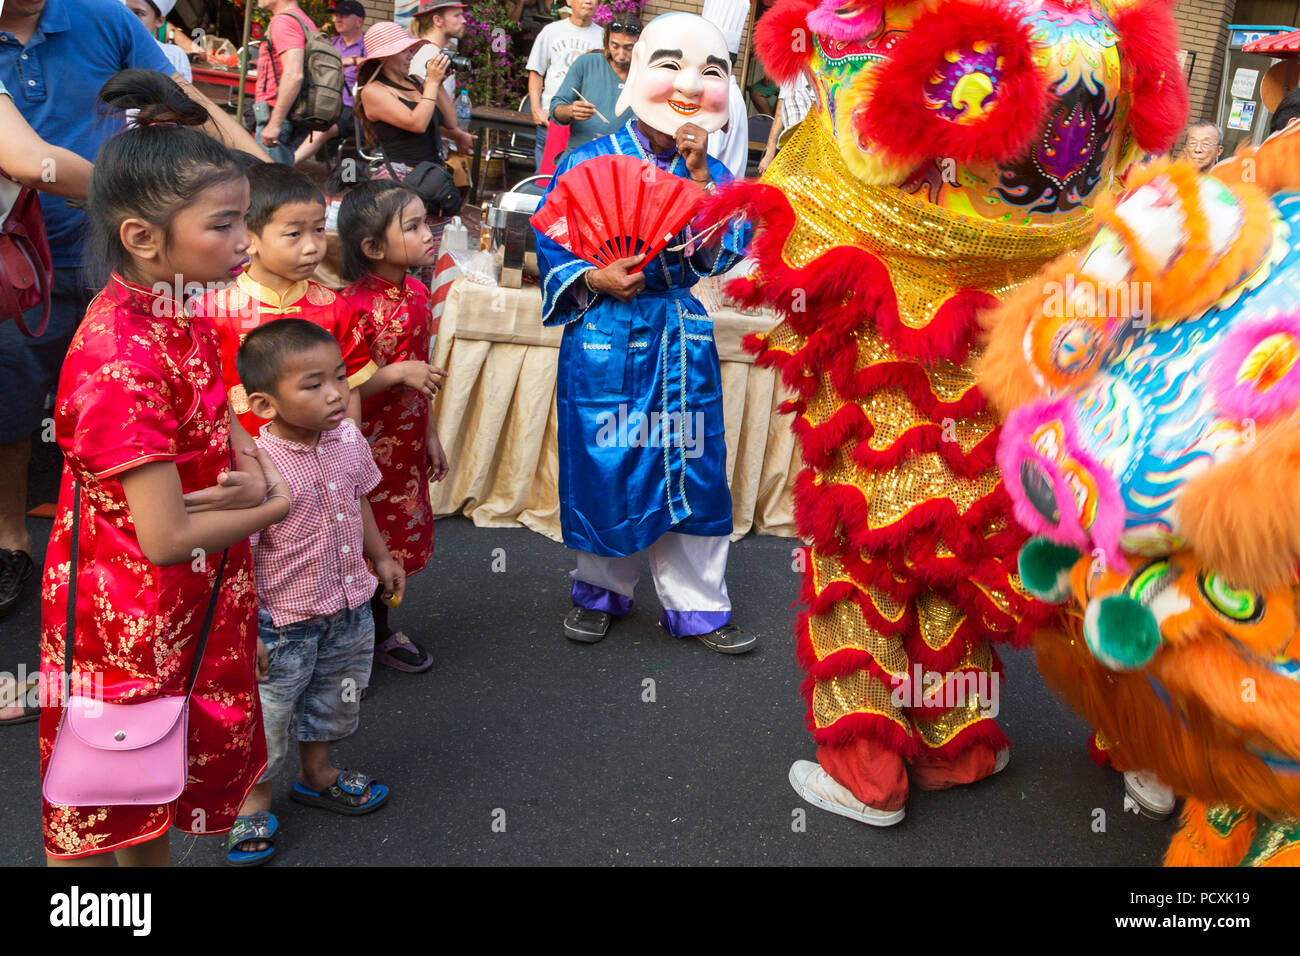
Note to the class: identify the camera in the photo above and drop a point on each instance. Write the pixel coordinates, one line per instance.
(459, 64)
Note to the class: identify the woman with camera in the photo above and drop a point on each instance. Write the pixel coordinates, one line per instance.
(398, 112)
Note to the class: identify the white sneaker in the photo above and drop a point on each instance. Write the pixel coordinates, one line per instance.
(1001, 760)
(1154, 798)
(819, 788)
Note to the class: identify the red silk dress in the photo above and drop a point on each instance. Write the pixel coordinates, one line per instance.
(237, 310)
(140, 386)
(397, 324)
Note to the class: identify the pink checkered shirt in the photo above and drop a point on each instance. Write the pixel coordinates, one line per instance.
(311, 563)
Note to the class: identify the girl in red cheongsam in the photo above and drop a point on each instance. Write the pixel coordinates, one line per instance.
(142, 420)
(384, 233)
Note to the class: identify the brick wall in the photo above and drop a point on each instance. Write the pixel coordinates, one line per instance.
(1203, 29)
(377, 10)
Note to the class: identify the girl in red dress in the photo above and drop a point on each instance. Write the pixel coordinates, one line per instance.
(384, 233)
(142, 421)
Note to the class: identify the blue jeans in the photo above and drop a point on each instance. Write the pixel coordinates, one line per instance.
(318, 669)
(289, 140)
(29, 368)
(539, 147)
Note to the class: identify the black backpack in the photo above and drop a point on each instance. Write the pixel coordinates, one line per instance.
(320, 100)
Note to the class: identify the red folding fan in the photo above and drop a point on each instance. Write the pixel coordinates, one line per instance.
(612, 207)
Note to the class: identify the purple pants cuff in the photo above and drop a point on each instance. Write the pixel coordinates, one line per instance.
(692, 623)
(596, 598)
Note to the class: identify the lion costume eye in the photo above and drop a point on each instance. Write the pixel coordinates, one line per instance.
(1236, 604)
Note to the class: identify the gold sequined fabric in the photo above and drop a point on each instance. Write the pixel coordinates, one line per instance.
(858, 693)
(930, 252)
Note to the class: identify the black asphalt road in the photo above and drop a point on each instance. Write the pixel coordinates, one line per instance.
(520, 747)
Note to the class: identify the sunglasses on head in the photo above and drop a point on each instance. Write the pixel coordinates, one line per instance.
(628, 29)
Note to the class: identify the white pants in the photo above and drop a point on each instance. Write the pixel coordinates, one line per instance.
(690, 576)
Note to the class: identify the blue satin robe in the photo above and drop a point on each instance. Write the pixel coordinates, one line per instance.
(639, 391)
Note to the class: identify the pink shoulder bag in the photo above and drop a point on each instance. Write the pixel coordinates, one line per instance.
(132, 754)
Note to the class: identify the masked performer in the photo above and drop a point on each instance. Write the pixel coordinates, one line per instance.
(642, 448)
(957, 147)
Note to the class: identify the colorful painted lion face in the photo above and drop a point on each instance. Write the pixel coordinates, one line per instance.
(1014, 111)
(1167, 351)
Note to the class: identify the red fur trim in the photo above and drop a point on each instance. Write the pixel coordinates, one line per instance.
(842, 662)
(851, 727)
(980, 732)
(929, 438)
(897, 115)
(843, 289)
(1148, 37)
(828, 514)
(782, 38)
(910, 377)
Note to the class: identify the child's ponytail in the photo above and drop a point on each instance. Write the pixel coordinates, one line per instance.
(156, 167)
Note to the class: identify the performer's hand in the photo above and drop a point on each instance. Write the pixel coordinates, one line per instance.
(692, 143)
(581, 111)
(617, 280)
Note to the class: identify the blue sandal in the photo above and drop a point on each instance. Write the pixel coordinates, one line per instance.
(344, 795)
(254, 826)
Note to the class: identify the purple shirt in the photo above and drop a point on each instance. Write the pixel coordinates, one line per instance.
(663, 160)
(349, 72)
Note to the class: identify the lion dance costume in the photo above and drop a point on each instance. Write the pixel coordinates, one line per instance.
(957, 147)
(1152, 388)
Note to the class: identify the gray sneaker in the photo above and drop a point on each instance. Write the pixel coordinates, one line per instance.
(729, 639)
(586, 626)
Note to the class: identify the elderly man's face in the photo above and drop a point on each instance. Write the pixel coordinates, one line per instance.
(1203, 147)
(347, 23)
(680, 73)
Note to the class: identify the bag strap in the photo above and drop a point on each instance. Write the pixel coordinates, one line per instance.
(69, 637)
(275, 70)
(28, 248)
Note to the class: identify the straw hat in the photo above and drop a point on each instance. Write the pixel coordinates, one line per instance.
(386, 38)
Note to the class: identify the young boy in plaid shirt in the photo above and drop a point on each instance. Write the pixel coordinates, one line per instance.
(315, 629)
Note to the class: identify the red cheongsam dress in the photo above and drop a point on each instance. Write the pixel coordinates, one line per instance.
(397, 323)
(140, 385)
(237, 310)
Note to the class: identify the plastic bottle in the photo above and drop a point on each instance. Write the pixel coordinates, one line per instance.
(463, 109)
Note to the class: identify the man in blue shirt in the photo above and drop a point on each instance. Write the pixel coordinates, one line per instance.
(55, 55)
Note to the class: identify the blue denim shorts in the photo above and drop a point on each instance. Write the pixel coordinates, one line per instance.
(318, 669)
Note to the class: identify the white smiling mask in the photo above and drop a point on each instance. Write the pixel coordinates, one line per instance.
(680, 73)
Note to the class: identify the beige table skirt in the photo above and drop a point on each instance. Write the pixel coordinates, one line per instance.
(497, 420)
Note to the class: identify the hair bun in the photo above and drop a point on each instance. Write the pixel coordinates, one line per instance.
(156, 98)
